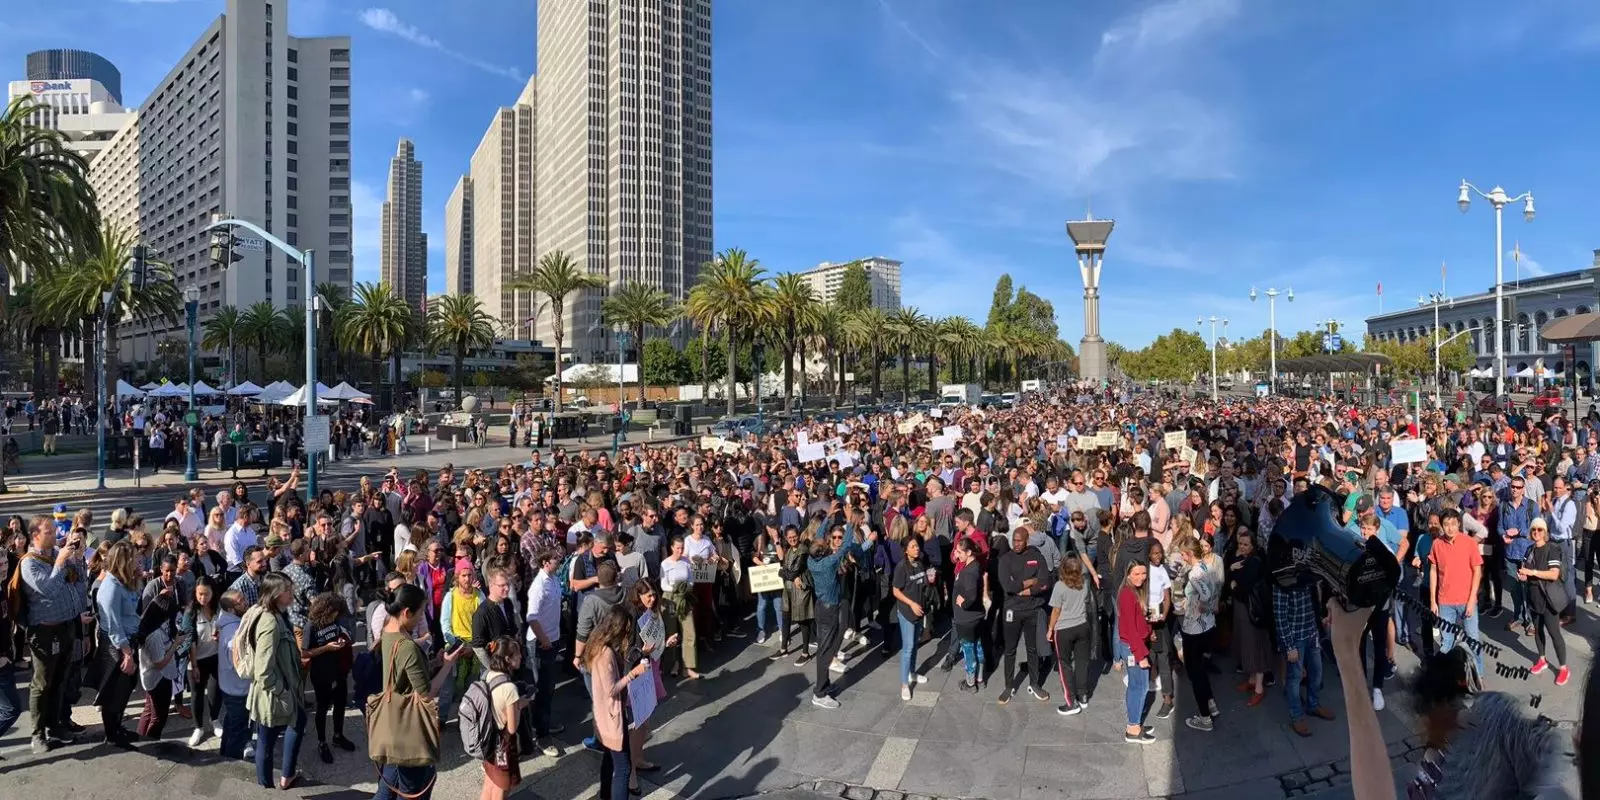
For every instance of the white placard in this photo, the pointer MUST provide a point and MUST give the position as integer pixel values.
(810, 452)
(801, 439)
(937, 413)
(843, 427)
(316, 438)
(705, 572)
(942, 443)
(1174, 440)
(954, 432)
(642, 696)
(765, 578)
(846, 461)
(710, 442)
(906, 427)
(1063, 441)
(1408, 451)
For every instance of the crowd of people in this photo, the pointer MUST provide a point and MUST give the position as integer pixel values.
(1118, 535)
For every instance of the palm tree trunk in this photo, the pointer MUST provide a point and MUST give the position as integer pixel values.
(788, 370)
(558, 334)
(877, 371)
(37, 336)
(261, 356)
(705, 366)
(905, 375)
(638, 360)
(732, 372)
(53, 375)
(394, 380)
(458, 360)
(801, 347)
(933, 370)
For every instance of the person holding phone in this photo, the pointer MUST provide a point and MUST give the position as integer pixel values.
(159, 666)
(328, 661)
(608, 647)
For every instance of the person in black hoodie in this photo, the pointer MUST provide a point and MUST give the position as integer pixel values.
(1026, 580)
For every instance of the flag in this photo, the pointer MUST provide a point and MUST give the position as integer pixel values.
(1380, 288)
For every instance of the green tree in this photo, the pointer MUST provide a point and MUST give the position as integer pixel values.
(106, 266)
(855, 288)
(636, 307)
(870, 326)
(264, 324)
(663, 364)
(1000, 306)
(795, 310)
(557, 277)
(734, 286)
(47, 205)
(458, 323)
(906, 329)
(377, 321)
(708, 361)
(1175, 356)
(219, 332)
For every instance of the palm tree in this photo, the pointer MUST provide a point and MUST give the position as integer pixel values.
(702, 312)
(380, 322)
(47, 206)
(76, 291)
(40, 327)
(218, 332)
(795, 308)
(264, 324)
(637, 306)
(459, 323)
(733, 285)
(557, 277)
(866, 329)
(905, 333)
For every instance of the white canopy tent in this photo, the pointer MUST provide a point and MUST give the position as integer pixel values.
(273, 392)
(125, 389)
(200, 388)
(1527, 372)
(147, 387)
(344, 391)
(299, 397)
(171, 390)
(246, 389)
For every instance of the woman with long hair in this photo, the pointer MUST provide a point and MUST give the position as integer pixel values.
(328, 652)
(799, 604)
(1133, 649)
(1252, 638)
(613, 663)
(276, 701)
(117, 600)
(405, 671)
(768, 550)
(502, 769)
(1547, 596)
(199, 627)
(913, 587)
(158, 661)
(677, 588)
(1071, 632)
(1198, 623)
(644, 603)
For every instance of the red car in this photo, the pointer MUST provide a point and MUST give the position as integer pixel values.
(1549, 398)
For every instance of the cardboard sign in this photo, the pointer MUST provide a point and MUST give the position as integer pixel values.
(685, 460)
(801, 439)
(1188, 454)
(808, 453)
(942, 443)
(705, 572)
(710, 442)
(1175, 440)
(937, 413)
(846, 460)
(1408, 451)
(765, 578)
(954, 432)
(1087, 442)
(1107, 439)
(731, 448)
(906, 427)
(642, 698)
(843, 427)
(1063, 441)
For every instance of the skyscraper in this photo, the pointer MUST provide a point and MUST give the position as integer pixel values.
(624, 149)
(69, 65)
(502, 244)
(883, 275)
(281, 160)
(458, 238)
(405, 246)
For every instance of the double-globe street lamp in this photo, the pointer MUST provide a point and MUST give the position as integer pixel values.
(102, 417)
(1498, 198)
(191, 310)
(1272, 331)
(1214, 321)
(307, 261)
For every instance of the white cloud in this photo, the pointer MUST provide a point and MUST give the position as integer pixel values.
(1518, 262)
(385, 21)
(1155, 34)
(366, 205)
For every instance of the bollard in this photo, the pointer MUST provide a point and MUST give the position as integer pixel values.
(427, 443)
(455, 441)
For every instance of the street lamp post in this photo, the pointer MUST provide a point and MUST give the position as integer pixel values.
(101, 417)
(621, 433)
(1438, 347)
(1435, 299)
(1272, 331)
(1498, 198)
(1331, 343)
(191, 310)
(307, 261)
(1214, 321)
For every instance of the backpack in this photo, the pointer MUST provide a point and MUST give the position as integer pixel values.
(242, 650)
(564, 575)
(480, 731)
(17, 591)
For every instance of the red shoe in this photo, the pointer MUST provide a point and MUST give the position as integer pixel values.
(1255, 700)
(1247, 686)
(1562, 675)
(1538, 666)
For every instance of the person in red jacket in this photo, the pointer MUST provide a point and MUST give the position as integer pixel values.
(1133, 649)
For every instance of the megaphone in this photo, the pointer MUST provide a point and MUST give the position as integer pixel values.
(1309, 544)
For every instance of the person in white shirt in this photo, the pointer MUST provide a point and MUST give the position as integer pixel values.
(230, 512)
(240, 537)
(544, 638)
(190, 522)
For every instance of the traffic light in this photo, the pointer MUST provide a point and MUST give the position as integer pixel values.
(223, 253)
(141, 266)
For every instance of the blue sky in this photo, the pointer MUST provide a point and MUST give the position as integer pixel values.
(1236, 142)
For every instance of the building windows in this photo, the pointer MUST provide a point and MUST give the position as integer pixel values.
(294, 111)
(339, 54)
(294, 56)
(339, 73)
(294, 74)
(293, 220)
(294, 165)
(338, 129)
(294, 92)
(341, 110)
(338, 183)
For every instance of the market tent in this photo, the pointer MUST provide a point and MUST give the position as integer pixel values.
(246, 389)
(273, 392)
(344, 391)
(200, 387)
(171, 390)
(1333, 362)
(125, 389)
(1527, 372)
(147, 387)
(299, 396)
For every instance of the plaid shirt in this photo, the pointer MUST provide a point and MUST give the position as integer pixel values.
(1295, 618)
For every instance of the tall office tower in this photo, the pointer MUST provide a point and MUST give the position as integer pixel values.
(883, 275)
(251, 123)
(458, 238)
(503, 236)
(624, 162)
(405, 246)
(71, 65)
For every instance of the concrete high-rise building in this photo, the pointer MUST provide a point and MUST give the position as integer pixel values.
(405, 246)
(458, 238)
(251, 123)
(624, 160)
(497, 236)
(87, 112)
(883, 274)
(70, 65)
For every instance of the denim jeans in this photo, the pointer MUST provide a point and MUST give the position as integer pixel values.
(1519, 594)
(10, 701)
(1307, 663)
(616, 767)
(235, 726)
(545, 662)
(1458, 615)
(267, 738)
(416, 783)
(764, 601)
(1569, 559)
(910, 635)
(1138, 684)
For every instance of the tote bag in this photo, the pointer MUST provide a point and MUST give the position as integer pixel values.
(402, 729)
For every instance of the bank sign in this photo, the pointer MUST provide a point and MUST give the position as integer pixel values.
(41, 87)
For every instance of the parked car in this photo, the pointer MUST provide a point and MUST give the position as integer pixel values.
(1549, 398)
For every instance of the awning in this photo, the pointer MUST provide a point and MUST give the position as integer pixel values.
(1333, 362)
(1575, 329)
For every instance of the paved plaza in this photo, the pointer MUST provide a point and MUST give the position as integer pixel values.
(749, 729)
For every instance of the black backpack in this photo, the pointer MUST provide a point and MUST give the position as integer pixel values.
(480, 731)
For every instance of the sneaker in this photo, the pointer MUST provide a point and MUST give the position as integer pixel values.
(738, 634)
(1038, 693)
(1377, 699)
(1165, 712)
(592, 745)
(801, 660)
(824, 701)
(548, 748)
(216, 730)
(1388, 670)
(197, 737)
(1495, 612)
(761, 638)
(1144, 736)
(837, 667)
(916, 678)
(778, 654)
(325, 753)
(849, 633)
(861, 640)
(250, 752)
(40, 745)
(1069, 709)
(1005, 695)
(1215, 712)
(1539, 666)
(60, 737)
(1562, 675)
(905, 693)
(947, 665)
(1199, 723)
(1300, 728)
